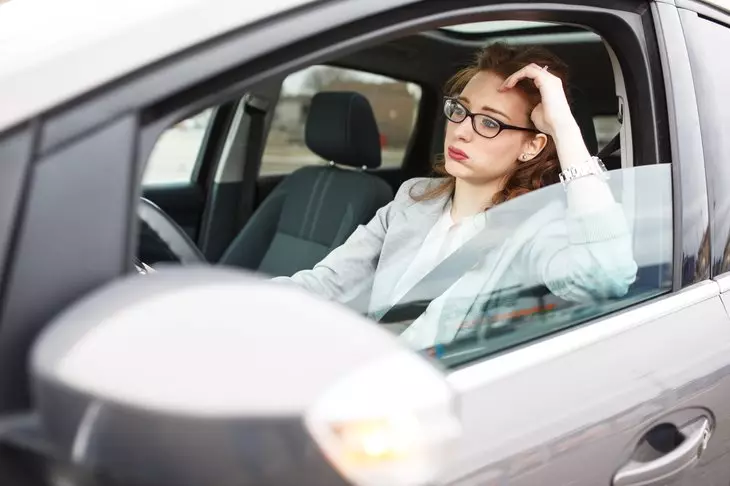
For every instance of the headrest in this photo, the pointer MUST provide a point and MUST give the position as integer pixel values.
(341, 128)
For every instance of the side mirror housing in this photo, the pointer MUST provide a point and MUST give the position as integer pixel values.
(202, 376)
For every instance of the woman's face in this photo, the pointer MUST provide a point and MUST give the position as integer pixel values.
(479, 160)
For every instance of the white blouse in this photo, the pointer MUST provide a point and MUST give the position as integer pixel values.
(445, 237)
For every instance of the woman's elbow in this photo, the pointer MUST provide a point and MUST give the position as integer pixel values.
(613, 279)
(619, 279)
(597, 281)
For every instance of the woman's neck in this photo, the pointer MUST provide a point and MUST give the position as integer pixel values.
(470, 199)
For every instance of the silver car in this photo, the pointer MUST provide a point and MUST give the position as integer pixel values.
(155, 171)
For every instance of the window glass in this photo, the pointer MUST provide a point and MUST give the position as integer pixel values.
(175, 155)
(502, 299)
(712, 86)
(394, 103)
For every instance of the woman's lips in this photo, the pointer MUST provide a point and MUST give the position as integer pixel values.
(456, 154)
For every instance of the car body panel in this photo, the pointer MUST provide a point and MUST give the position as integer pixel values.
(570, 410)
(93, 44)
(104, 47)
(567, 409)
(723, 5)
(15, 152)
(692, 223)
(76, 228)
(712, 79)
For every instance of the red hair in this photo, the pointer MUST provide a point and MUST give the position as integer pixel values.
(504, 60)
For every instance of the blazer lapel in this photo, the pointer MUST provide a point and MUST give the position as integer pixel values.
(406, 233)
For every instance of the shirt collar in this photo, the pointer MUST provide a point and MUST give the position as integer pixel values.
(476, 222)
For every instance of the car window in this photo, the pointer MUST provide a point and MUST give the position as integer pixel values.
(394, 103)
(494, 307)
(175, 155)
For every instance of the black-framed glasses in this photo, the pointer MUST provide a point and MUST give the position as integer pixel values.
(484, 125)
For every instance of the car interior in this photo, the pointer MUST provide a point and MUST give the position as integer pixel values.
(234, 213)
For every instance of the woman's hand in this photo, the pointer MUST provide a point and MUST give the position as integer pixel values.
(552, 116)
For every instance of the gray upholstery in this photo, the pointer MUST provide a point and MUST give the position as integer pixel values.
(341, 127)
(316, 208)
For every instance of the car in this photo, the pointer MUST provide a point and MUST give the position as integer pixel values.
(160, 161)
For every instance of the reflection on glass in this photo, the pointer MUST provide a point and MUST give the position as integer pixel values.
(517, 307)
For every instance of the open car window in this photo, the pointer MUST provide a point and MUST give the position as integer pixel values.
(176, 154)
(394, 104)
(506, 307)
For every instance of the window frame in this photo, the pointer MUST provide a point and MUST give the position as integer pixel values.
(612, 25)
(711, 123)
(692, 211)
(220, 70)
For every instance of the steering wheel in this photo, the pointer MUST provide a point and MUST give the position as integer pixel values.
(169, 232)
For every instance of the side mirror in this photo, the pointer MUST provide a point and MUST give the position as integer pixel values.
(199, 377)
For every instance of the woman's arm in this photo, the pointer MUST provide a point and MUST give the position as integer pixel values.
(553, 117)
(589, 256)
(348, 269)
(584, 258)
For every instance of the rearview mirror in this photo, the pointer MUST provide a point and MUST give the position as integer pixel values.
(199, 377)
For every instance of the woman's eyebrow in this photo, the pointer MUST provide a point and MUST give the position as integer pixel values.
(484, 108)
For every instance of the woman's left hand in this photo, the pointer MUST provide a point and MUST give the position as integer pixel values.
(553, 114)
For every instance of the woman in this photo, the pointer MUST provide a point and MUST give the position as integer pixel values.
(510, 130)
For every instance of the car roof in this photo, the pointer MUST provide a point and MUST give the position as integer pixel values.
(52, 51)
(721, 4)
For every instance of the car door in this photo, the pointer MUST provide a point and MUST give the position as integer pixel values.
(626, 384)
(572, 406)
(597, 405)
(706, 29)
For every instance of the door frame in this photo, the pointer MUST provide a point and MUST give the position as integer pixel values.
(221, 70)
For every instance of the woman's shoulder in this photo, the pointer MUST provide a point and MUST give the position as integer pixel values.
(416, 187)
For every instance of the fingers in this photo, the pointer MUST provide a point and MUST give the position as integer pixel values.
(531, 71)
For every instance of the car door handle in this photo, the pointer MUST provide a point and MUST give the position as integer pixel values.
(685, 454)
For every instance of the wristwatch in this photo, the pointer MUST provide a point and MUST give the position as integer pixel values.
(592, 166)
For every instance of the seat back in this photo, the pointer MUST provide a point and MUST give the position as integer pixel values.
(316, 208)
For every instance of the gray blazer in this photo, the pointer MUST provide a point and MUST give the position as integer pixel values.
(577, 258)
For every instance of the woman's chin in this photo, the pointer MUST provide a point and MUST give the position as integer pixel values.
(456, 168)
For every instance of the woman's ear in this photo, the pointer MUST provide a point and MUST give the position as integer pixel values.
(534, 146)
